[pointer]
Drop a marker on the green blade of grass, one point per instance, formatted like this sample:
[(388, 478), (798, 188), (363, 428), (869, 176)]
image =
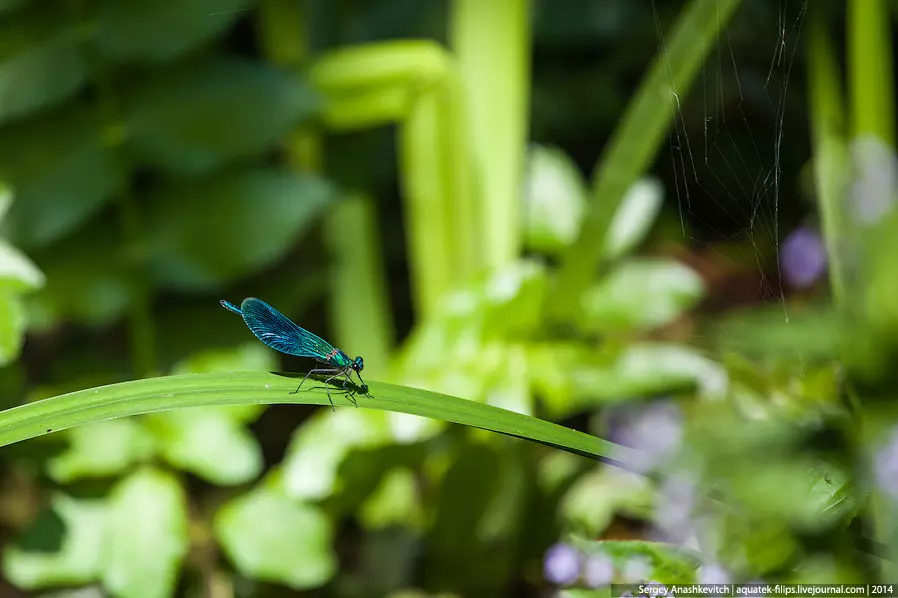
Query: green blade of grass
[(235, 388)]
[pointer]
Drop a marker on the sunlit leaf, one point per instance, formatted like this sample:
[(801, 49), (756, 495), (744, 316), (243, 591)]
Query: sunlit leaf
[(555, 200), (272, 537), (145, 536), (255, 216), (160, 30), (321, 444), (596, 498), (207, 442), (634, 217), (17, 272), (396, 501), (195, 117), (642, 294), (102, 449), (80, 557)]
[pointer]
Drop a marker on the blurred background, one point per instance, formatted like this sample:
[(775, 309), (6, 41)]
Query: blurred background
[(669, 224)]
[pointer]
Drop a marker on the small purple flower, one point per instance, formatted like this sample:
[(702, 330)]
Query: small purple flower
[(655, 430), (885, 466), (673, 509), (872, 192), (562, 564), (598, 572), (713, 574), (803, 258)]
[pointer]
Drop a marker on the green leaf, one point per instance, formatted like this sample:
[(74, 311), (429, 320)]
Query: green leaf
[(634, 217), (192, 119), (235, 388), (555, 200), (145, 536), (17, 272), (62, 170), (12, 327), (101, 449), (593, 501), (161, 30), (320, 445), (207, 442), (646, 369), (642, 294), (395, 501), (832, 494), (669, 563), (259, 212), (78, 560), (86, 279), (271, 537), (251, 356), (42, 62)]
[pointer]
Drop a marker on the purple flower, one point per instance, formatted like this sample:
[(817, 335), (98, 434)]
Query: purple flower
[(656, 431), (802, 258), (872, 191), (562, 564), (885, 466), (598, 572), (673, 509)]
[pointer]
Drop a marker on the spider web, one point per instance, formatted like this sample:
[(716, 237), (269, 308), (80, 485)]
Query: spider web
[(726, 143)]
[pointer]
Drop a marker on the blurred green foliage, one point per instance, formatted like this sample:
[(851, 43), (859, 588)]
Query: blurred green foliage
[(407, 179)]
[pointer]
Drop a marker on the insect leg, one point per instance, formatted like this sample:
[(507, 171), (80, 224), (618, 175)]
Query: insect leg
[(314, 371)]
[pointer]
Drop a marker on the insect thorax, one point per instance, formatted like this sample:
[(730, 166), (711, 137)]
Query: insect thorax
[(339, 359)]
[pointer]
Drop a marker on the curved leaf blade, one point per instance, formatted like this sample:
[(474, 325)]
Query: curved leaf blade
[(199, 390)]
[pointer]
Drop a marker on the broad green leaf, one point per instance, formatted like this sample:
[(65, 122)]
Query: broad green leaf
[(669, 563), (395, 501), (593, 501), (7, 5), (272, 537), (42, 62), (146, 536), (646, 369), (634, 217), (12, 327), (78, 560), (208, 442), (256, 214), (161, 30), (237, 388), (321, 444), (17, 272), (641, 294), (101, 449), (86, 279), (555, 200), (62, 170), (196, 117), (832, 494)]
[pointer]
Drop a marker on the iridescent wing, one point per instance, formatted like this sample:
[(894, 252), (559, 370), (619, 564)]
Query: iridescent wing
[(277, 331)]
